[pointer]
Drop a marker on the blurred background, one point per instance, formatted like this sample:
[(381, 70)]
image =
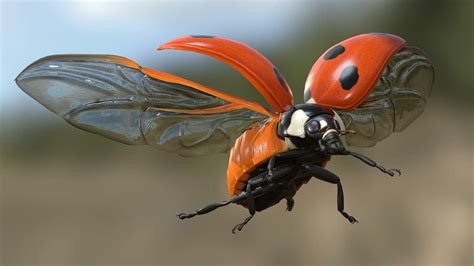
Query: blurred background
[(72, 198)]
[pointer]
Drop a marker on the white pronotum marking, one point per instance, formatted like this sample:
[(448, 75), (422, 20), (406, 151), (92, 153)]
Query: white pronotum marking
[(298, 120)]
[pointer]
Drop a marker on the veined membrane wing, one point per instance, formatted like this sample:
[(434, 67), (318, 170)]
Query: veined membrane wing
[(114, 97), (398, 98)]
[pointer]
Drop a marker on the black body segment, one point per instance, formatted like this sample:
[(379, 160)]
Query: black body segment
[(281, 176)]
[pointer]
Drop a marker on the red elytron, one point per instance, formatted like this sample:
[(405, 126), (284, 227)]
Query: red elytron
[(250, 63), (365, 88), (363, 56)]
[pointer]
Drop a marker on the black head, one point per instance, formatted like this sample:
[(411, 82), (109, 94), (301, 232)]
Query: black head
[(308, 125)]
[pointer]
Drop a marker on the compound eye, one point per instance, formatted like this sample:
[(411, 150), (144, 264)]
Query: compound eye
[(312, 126)]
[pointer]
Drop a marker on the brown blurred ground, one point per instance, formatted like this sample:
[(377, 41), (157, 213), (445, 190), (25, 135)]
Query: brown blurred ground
[(72, 198), (83, 205)]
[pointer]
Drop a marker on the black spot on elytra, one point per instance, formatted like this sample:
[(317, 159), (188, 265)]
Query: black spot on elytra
[(203, 36), (349, 77), (334, 52), (281, 79)]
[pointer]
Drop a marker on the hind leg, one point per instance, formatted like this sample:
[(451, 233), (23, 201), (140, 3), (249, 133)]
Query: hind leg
[(211, 207), (242, 197), (246, 196)]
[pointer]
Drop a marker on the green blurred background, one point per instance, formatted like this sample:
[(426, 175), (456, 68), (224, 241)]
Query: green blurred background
[(73, 198)]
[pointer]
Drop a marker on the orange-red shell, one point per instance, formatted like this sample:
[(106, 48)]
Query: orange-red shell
[(255, 146), (255, 67), (346, 73)]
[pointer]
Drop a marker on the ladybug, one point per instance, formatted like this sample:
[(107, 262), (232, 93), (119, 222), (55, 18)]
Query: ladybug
[(357, 93)]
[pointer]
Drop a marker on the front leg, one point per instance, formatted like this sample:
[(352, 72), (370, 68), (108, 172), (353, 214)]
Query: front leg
[(370, 162), (337, 148)]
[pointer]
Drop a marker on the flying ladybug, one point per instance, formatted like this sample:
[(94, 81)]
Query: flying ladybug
[(357, 93)]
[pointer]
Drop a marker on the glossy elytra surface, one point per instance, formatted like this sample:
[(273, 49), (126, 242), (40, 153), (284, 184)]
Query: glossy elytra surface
[(255, 67), (346, 73)]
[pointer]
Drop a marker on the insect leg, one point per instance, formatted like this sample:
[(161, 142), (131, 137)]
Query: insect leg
[(209, 208), (251, 208), (285, 155), (327, 176), (372, 163), (290, 202)]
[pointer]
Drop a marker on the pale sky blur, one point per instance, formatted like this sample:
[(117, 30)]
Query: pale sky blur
[(34, 29)]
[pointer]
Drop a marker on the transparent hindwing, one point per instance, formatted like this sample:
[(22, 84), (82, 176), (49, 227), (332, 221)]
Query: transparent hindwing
[(114, 97), (399, 97)]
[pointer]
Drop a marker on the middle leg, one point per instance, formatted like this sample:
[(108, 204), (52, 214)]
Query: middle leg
[(250, 206), (327, 176), (290, 202)]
